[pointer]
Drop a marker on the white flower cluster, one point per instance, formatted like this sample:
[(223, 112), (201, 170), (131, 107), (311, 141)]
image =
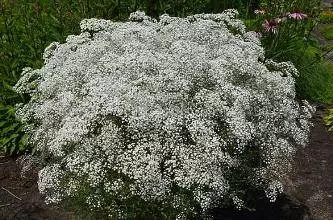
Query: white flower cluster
[(273, 190), (144, 107)]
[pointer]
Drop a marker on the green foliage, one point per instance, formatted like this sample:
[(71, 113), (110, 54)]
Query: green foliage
[(278, 7), (315, 81), (329, 119), (326, 17), (292, 37), (327, 31), (25, 30), (12, 138), (293, 42)]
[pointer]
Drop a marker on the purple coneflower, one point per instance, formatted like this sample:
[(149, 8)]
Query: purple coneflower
[(297, 15), (270, 26)]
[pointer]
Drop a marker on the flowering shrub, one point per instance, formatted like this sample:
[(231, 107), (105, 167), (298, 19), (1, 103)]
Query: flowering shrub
[(179, 113)]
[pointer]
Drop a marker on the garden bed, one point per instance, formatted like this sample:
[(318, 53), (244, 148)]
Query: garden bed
[(19, 195), (310, 187)]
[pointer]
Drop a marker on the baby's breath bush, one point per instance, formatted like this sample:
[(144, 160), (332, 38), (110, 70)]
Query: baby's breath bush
[(181, 115)]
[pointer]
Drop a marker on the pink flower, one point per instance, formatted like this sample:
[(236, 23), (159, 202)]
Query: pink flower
[(270, 26), (297, 15)]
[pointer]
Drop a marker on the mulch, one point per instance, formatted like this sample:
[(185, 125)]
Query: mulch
[(309, 190)]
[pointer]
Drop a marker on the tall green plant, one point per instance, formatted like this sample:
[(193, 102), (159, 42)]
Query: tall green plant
[(285, 28)]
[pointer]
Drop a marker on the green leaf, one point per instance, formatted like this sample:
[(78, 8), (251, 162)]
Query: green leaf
[(11, 111), (22, 147), (24, 139), (4, 141), (12, 149), (9, 128), (13, 136), (10, 138), (2, 107), (2, 123), (56, 20), (7, 86)]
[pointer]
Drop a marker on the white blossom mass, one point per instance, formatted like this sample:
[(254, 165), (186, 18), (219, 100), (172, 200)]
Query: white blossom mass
[(147, 107)]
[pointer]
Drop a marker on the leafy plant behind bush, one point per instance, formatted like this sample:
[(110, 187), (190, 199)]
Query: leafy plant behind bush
[(326, 17), (13, 140), (327, 31), (26, 28), (316, 81)]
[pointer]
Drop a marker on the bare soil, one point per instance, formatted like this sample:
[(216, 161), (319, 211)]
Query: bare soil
[(311, 182), (19, 195)]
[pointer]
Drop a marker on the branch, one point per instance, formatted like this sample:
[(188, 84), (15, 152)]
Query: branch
[(11, 193)]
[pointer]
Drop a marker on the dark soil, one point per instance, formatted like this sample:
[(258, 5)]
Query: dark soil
[(309, 188), (19, 196), (312, 180)]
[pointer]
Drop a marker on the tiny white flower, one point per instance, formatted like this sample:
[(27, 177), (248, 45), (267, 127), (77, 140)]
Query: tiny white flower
[(138, 108)]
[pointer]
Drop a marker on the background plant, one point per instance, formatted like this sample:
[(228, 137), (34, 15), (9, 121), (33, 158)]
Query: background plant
[(288, 39), (326, 17)]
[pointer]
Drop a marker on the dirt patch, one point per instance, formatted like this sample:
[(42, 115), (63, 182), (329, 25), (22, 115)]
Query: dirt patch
[(309, 188), (19, 196), (312, 180)]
